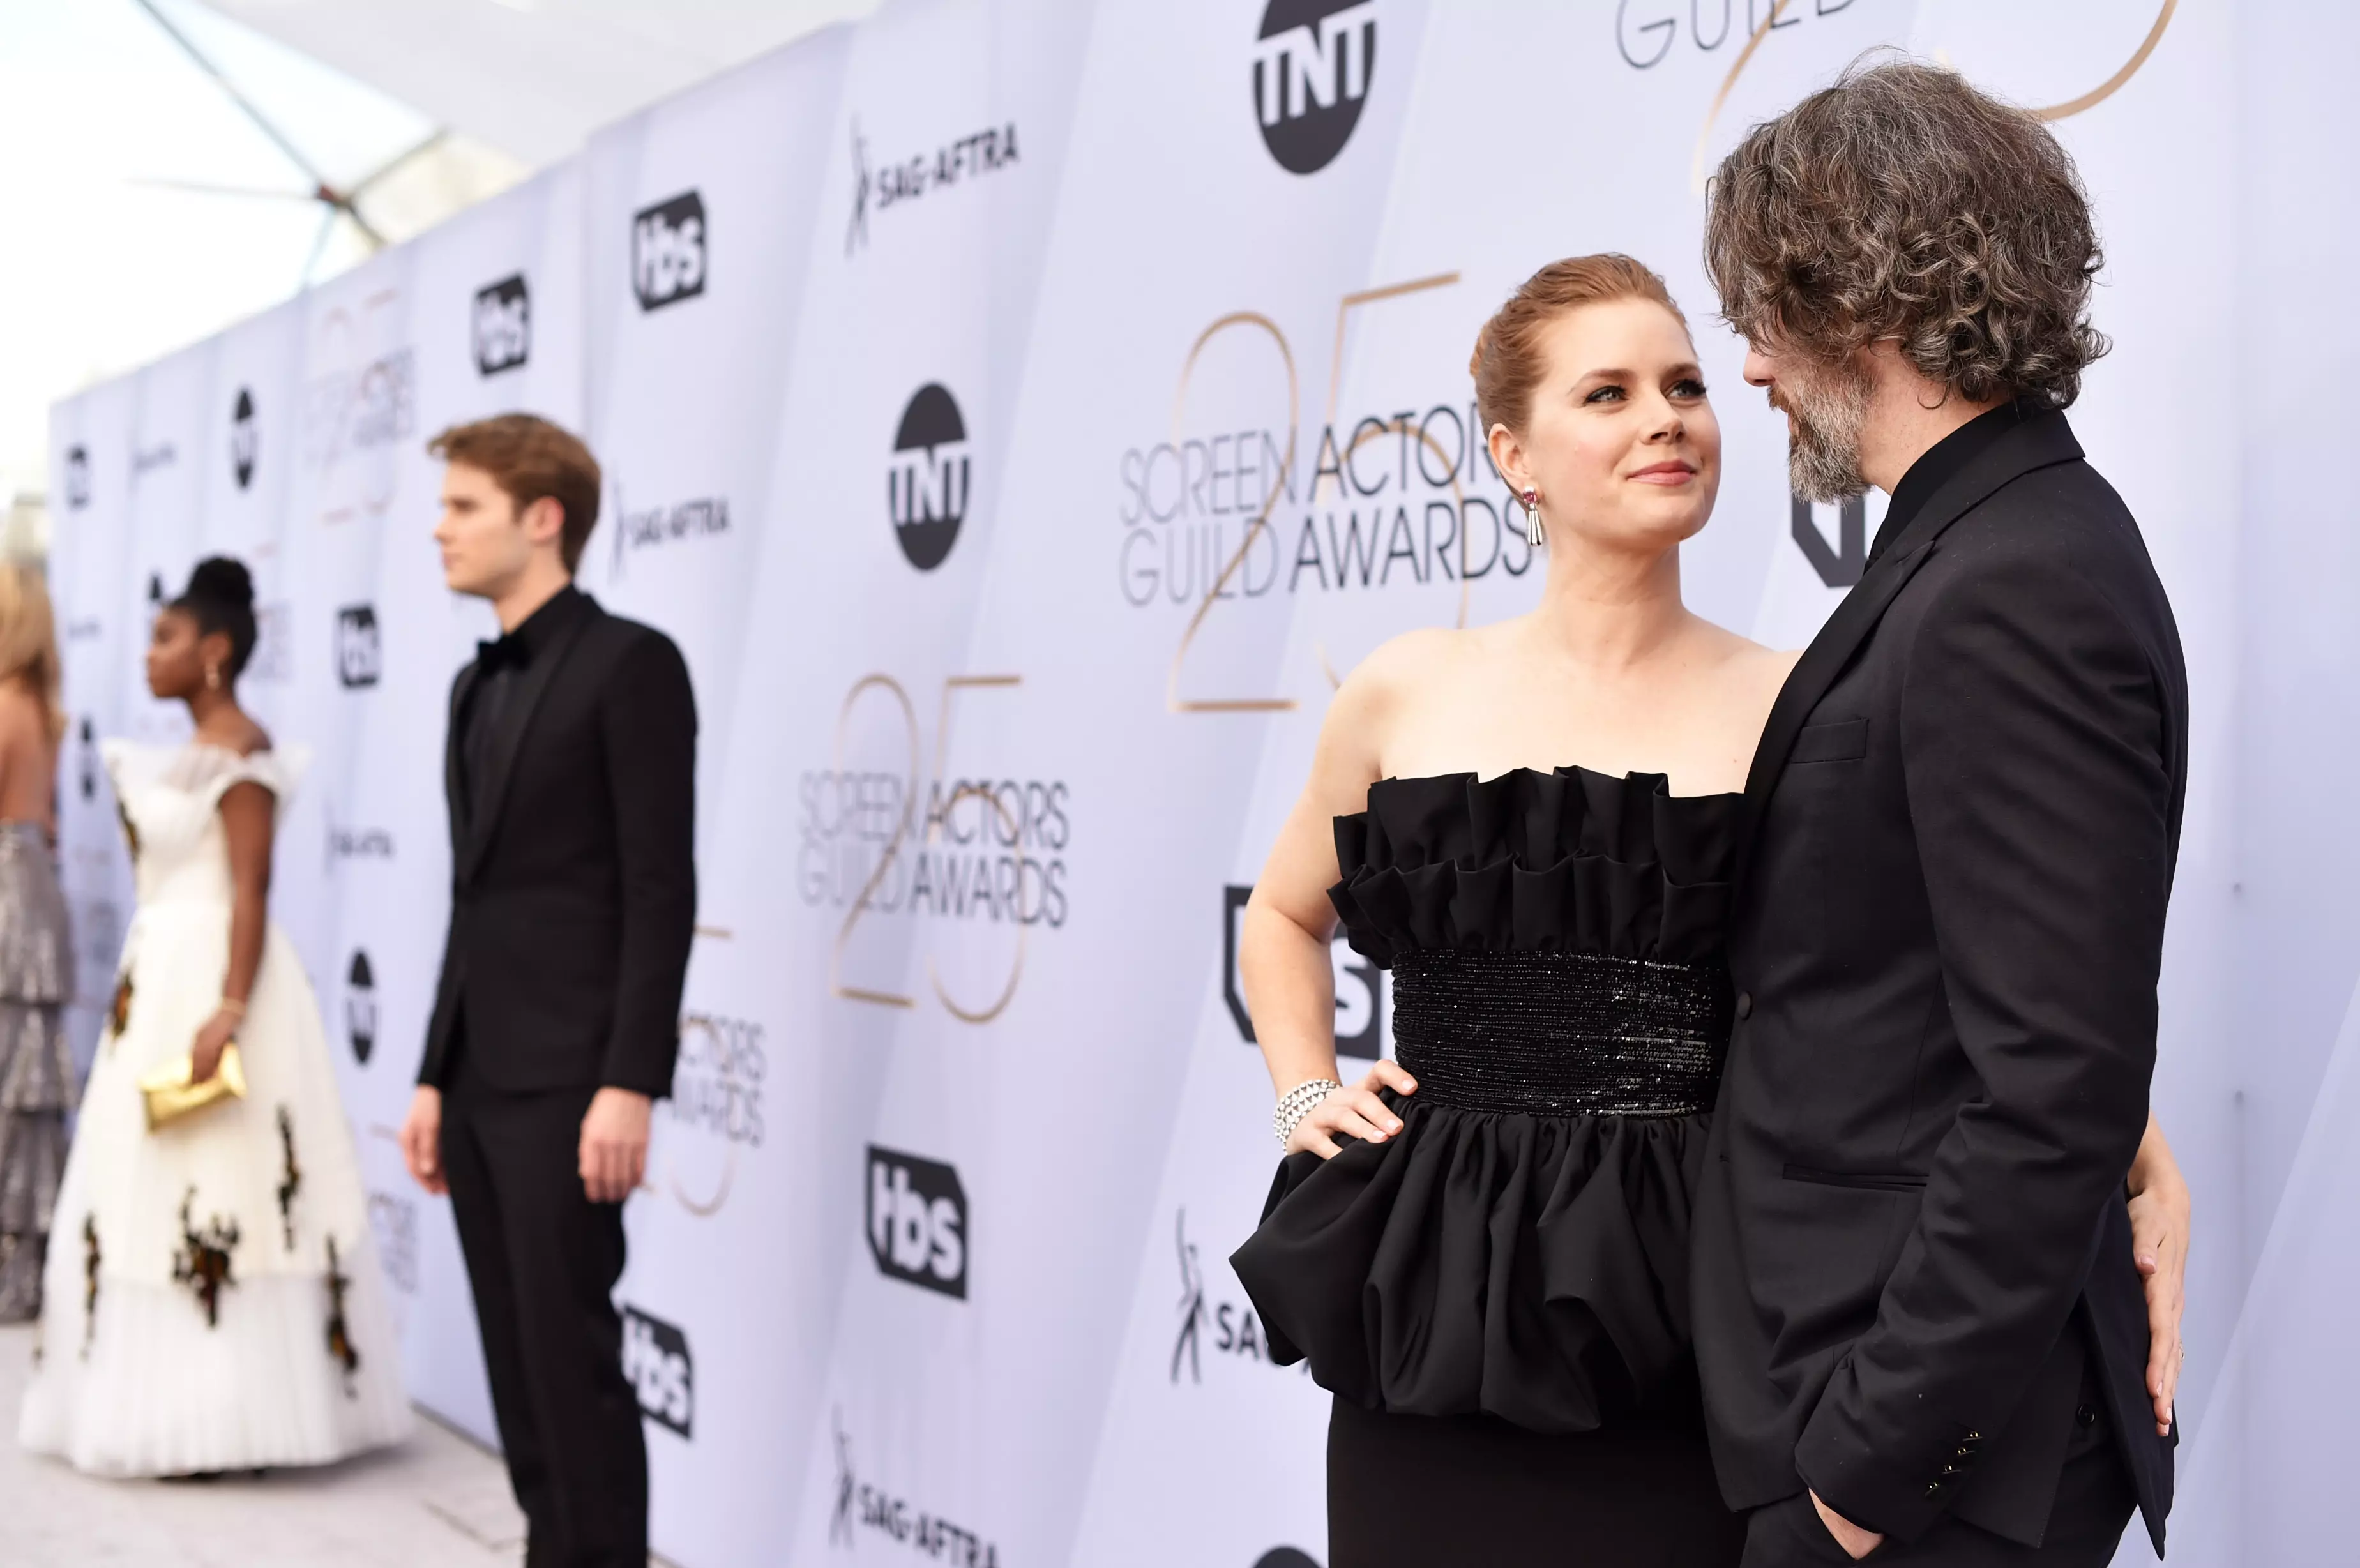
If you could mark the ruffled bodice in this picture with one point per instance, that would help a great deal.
(1565, 861)
(1519, 1248)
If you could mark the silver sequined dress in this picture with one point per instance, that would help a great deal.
(37, 1077)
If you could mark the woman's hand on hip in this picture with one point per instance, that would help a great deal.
(1354, 1111)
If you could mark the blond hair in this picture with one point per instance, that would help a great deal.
(28, 640)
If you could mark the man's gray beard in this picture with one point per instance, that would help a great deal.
(1828, 410)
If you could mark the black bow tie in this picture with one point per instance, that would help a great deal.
(507, 652)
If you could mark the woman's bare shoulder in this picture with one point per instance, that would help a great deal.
(1411, 657)
(1411, 668)
(1749, 662)
(237, 732)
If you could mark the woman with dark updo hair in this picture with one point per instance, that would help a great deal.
(213, 1301)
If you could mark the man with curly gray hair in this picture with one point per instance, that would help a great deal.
(1918, 1317)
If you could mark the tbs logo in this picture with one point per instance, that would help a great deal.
(668, 251)
(926, 488)
(917, 1221)
(1359, 991)
(503, 325)
(360, 652)
(657, 1363)
(1311, 70)
(360, 1007)
(245, 439)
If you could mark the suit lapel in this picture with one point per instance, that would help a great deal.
(2039, 443)
(516, 720)
(454, 783)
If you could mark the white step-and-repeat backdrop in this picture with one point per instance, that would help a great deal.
(1022, 413)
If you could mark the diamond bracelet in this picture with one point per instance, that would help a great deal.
(1295, 1105)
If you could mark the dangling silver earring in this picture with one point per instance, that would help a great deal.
(1534, 536)
(213, 676)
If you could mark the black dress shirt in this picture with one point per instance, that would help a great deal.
(1937, 463)
(498, 663)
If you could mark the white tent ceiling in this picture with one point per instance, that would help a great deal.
(204, 157)
(534, 77)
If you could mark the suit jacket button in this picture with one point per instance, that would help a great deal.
(1934, 1488)
(1745, 1004)
(2087, 1415)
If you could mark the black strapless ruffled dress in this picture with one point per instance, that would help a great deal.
(1498, 1295)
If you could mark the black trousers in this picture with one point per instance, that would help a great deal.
(542, 1261)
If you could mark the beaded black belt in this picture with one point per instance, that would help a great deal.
(1560, 1033)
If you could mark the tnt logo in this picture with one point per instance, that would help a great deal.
(1311, 71)
(360, 1007)
(360, 653)
(917, 1221)
(926, 488)
(656, 1360)
(245, 439)
(503, 325)
(77, 477)
(668, 251)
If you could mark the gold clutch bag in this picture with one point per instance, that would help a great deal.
(171, 1096)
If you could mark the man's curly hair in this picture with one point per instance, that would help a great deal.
(1902, 203)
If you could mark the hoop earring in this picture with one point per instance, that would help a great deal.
(213, 676)
(1535, 535)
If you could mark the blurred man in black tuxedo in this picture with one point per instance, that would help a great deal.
(1919, 1313)
(571, 771)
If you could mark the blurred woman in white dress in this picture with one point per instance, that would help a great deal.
(211, 1300)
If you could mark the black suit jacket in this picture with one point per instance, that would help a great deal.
(1962, 821)
(574, 900)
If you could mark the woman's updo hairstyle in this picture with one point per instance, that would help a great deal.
(220, 598)
(1508, 364)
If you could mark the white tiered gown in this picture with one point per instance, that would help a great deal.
(296, 1361)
